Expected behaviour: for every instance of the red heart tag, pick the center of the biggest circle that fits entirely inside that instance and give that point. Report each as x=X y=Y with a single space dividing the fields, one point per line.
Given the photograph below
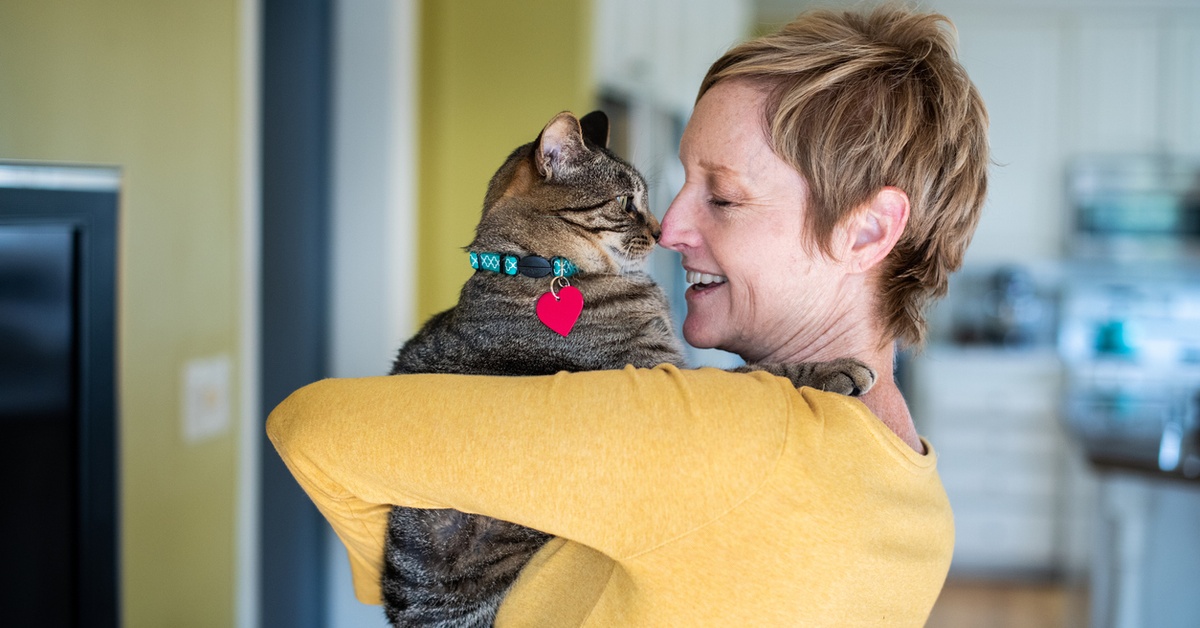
x=560 y=313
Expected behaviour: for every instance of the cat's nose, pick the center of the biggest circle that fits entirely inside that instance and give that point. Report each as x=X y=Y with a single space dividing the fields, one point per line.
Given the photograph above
x=653 y=226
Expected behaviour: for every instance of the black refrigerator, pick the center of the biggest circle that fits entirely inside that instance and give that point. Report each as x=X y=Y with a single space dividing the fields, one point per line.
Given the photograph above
x=58 y=404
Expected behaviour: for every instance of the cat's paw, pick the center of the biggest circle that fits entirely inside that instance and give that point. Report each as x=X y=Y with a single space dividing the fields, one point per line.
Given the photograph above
x=846 y=376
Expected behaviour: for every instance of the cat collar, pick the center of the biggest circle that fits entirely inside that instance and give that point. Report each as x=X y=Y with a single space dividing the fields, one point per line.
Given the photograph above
x=530 y=265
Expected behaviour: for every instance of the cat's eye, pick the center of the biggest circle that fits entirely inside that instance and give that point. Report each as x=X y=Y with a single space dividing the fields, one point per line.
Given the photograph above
x=626 y=203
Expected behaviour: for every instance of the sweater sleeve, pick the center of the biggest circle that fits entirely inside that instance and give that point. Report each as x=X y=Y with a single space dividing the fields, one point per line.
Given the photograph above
x=621 y=461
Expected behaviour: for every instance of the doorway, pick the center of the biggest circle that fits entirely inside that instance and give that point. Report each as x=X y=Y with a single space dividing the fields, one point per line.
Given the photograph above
x=295 y=131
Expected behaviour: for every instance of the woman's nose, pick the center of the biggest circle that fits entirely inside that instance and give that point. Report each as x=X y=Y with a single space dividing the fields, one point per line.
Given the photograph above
x=677 y=232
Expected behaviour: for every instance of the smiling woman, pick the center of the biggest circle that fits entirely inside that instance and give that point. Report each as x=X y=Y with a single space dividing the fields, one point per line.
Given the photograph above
x=834 y=174
x=737 y=223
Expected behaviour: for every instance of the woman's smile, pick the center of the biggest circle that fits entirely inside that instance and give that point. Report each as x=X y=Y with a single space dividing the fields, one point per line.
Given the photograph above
x=700 y=282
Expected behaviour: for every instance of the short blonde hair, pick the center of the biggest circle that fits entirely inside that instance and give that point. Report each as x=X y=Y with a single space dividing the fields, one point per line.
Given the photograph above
x=861 y=101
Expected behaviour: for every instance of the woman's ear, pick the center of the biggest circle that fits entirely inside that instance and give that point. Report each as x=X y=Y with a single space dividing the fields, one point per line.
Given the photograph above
x=876 y=227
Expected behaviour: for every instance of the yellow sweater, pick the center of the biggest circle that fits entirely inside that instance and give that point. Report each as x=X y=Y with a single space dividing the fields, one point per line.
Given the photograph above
x=680 y=498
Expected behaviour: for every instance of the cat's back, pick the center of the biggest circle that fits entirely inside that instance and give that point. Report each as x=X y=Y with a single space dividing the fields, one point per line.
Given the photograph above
x=494 y=330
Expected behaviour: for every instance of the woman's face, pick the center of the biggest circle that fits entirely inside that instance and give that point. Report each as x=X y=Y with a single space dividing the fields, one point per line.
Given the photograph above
x=738 y=223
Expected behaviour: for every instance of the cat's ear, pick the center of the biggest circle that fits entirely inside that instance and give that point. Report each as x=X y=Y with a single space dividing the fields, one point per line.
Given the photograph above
x=595 y=128
x=559 y=144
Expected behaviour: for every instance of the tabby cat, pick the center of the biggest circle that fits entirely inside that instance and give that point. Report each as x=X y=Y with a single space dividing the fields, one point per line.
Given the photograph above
x=563 y=205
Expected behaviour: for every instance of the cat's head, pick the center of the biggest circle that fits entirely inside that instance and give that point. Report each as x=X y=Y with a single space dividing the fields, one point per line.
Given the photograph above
x=565 y=194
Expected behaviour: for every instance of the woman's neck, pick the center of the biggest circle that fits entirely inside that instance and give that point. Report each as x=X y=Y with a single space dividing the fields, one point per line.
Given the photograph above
x=853 y=332
x=886 y=402
x=884 y=399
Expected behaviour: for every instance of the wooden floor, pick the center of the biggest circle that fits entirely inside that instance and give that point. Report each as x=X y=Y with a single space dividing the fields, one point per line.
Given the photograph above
x=1008 y=605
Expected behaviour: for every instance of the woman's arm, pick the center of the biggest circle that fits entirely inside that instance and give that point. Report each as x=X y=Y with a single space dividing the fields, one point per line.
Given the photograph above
x=621 y=461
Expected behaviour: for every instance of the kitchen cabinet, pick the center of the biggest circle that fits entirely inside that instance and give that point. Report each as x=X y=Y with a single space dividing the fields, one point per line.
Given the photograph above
x=1062 y=81
x=1146 y=552
x=1181 y=91
x=1115 y=83
x=1016 y=62
x=992 y=417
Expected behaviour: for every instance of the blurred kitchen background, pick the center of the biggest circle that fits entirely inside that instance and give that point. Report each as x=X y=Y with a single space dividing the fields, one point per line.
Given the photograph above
x=214 y=202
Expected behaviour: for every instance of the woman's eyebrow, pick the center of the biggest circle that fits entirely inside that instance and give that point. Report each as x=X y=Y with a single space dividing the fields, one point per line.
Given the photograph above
x=716 y=168
x=723 y=174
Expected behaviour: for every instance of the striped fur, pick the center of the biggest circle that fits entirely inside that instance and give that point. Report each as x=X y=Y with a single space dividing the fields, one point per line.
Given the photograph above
x=562 y=195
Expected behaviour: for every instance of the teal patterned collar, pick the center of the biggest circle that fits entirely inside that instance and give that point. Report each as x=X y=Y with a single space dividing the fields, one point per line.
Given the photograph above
x=530 y=265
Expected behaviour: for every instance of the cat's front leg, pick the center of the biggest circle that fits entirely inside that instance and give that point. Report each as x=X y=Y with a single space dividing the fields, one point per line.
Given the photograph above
x=846 y=376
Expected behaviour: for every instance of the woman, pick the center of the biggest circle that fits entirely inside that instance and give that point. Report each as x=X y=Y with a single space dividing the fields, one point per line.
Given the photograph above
x=835 y=172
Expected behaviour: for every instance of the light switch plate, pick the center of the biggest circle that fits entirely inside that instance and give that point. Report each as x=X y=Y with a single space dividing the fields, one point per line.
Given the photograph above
x=206 y=383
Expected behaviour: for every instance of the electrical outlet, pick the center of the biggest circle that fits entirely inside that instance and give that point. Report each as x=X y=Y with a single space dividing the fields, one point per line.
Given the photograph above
x=206 y=383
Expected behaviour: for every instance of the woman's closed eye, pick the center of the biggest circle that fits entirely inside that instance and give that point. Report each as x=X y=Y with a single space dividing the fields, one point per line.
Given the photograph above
x=724 y=194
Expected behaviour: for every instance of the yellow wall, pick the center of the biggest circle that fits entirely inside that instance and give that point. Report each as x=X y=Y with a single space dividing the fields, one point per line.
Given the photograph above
x=152 y=87
x=492 y=75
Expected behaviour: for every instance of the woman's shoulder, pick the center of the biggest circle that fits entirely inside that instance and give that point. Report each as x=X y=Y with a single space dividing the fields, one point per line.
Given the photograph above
x=846 y=423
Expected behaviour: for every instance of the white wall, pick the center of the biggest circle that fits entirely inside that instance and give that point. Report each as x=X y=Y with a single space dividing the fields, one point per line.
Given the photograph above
x=373 y=288
x=374 y=184
x=250 y=427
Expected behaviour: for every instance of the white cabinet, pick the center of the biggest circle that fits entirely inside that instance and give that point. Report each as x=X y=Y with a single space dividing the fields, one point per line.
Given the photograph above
x=1146 y=553
x=1134 y=81
x=1181 y=91
x=1116 y=85
x=1017 y=65
x=992 y=417
x=1067 y=80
